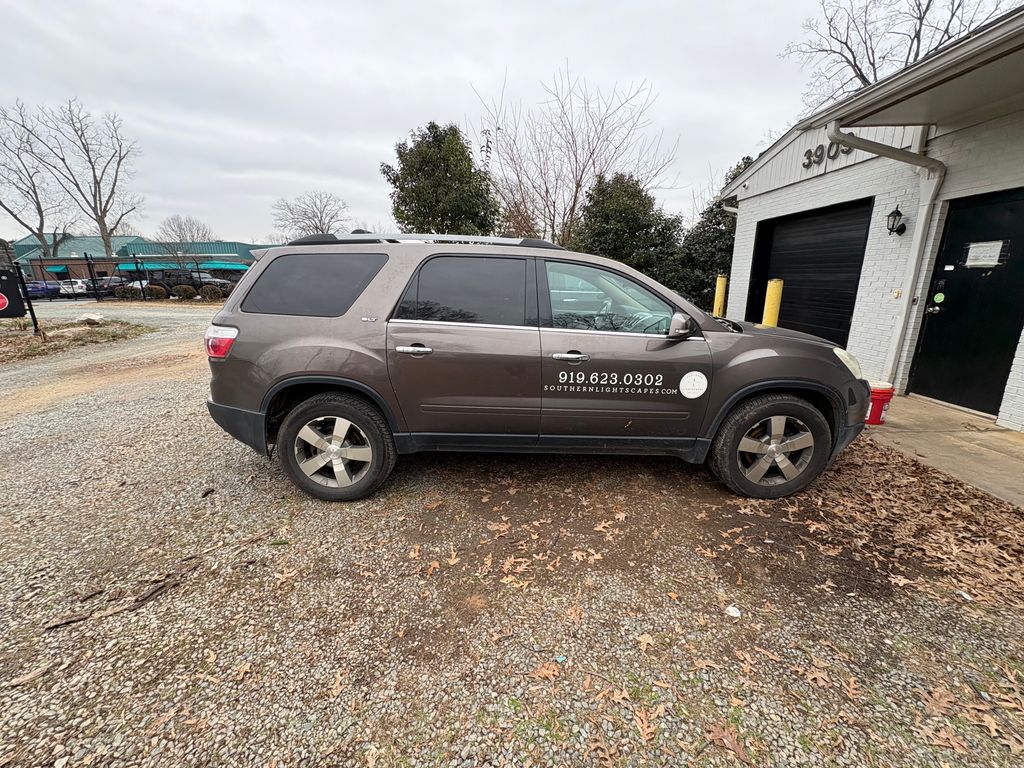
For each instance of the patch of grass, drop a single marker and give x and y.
(515, 705)
(806, 742)
(550, 722)
(17, 341)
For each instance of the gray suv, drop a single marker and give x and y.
(343, 354)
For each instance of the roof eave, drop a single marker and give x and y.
(970, 52)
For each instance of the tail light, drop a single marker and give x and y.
(219, 339)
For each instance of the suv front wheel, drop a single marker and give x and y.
(771, 446)
(336, 447)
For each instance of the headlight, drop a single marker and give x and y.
(849, 361)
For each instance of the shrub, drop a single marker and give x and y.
(211, 293)
(156, 292)
(127, 292)
(184, 291)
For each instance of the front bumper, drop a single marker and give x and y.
(248, 427)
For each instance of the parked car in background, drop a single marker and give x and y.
(74, 287)
(43, 289)
(198, 279)
(105, 286)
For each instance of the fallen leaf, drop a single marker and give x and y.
(284, 575)
(818, 677)
(432, 566)
(937, 702)
(575, 613)
(242, 670)
(644, 726)
(944, 737)
(335, 690)
(547, 670)
(851, 690)
(699, 664)
(672, 595)
(453, 558)
(768, 654)
(211, 657)
(645, 641)
(414, 552)
(725, 736)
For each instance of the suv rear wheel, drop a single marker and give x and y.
(771, 446)
(336, 447)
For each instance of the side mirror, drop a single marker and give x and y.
(681, 327)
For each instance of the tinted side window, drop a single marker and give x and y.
(589, 298)
(468, 289)
(312, 284)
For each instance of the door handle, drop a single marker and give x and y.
(571, 357)
(415, 349)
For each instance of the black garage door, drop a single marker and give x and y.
(819, 255)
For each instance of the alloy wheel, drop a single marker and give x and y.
(775, 450)
(333, 451)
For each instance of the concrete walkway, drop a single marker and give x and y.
(966, 446)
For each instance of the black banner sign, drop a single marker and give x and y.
(11, 303)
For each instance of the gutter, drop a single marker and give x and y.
(932, 173)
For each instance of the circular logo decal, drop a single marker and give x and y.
(938, 298)
(693, 385)
(3, 302)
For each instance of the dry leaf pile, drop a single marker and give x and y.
(880, 506)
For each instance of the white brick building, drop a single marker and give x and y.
(938, 309)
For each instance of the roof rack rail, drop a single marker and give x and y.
(398, 237)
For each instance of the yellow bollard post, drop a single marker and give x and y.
(772, 301)
(720, 285)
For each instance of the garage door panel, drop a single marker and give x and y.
(819, 256)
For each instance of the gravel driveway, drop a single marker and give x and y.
(170, 600)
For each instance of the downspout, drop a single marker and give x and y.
(931, 173)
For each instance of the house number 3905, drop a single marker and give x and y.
(817, 155)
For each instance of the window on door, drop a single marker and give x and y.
(468, 289)
(592, 299)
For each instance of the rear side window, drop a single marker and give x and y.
(312, 284)
(467, 289)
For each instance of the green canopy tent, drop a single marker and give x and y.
(129, 266)
(226, 265)
(57, 269)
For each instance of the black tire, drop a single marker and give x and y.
(372, 432)
(735, 468)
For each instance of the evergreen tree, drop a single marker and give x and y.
(436, 186)
(621, 220)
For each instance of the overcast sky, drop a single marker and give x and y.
(237, 103)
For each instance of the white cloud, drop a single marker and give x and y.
(238, 103)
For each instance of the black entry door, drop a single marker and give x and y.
(975, 304)
(818, 255)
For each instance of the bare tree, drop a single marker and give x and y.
(311, 213)
(857, 42)
(182, 237)
(28, 194)
(184, 229)
(544, 158)
(91, 160)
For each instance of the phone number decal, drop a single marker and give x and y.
(612, 379)
(691, 386)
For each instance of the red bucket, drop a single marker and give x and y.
(881, 396)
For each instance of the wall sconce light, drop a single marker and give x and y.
(894, 221)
